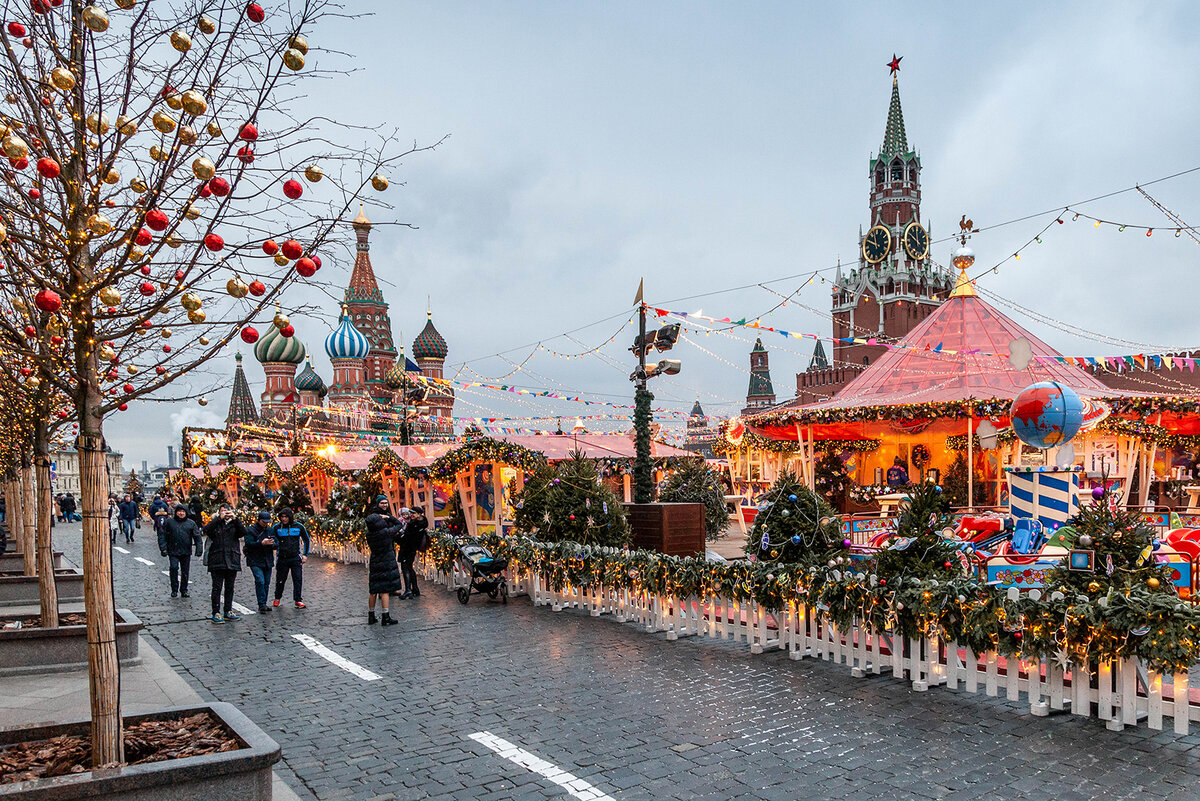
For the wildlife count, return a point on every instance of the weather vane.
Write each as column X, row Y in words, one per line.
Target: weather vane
column 965, row 229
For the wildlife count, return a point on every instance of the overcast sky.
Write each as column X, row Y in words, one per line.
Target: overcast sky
column 707, row 146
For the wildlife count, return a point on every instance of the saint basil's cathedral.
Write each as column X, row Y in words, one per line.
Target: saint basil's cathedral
column 370, row 381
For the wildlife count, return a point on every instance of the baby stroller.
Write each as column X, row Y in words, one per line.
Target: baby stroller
column 487, row 574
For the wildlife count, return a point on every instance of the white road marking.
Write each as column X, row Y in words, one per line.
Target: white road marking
column 119, row 548
column 241, row 610
column 574, row 785
column 335, row 658
column 143, row 561
column 166, row 572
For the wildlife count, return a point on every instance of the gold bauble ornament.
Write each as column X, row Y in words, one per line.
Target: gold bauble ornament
column 1093, row 586
column 138, row 185
column 54, row 325
column 190, row 301
column 136, row 254
column 379, row 182
column 164, row 122
column 206, row 25
column 14, row 146
column 125, row 4
column 191, row 212
column 131, row 370
column 281, row 259
column 159, row 154
column 187, row 134
column 110, row 296
column 173, row 101
column 33, row 382
column 126, row 125
column 203, row 168
column 236, row 287
column 1152, row 583
column 181, row 41
column 313, row 173
column 293, row 59
column 112, row 177
column 196, row 316
column 194, row 102
column 213, row 129
column 203, row 340
column 62, row 79
column 106, row 353
column 3, row 232
column 299, row 43
column 173, row 241
column 202, row 401
column 99, row 225
column 281, row 320
column 95, row 18
column 11, row 97
column 97, row 123
column 165, row 333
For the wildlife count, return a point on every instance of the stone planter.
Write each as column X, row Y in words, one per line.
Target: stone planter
column 243, row 775
column 14, row 563
column 23, row 590
column 37, row 650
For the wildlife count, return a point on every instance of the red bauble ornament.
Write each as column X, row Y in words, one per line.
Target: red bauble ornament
column 205, row 192
column 48, row 168
column 63, row 414
column 249, row 334
column 246, row 154
column 219, row 187
column 145, row 268
column 40, row 7
column 249, row 132
column 48, row 300
column 255, row 12
column 258, row 288
column 143, row 237
column 572, row 516
column 157, row 219
column 947, row 565
column 214, row 242
column 128, row 387
column 317, row 261
column 180, row 275
column 292, row 249
column 30, row 331
column 270, row 247
column 160, row 370
column 883, row 582
column 306, row 267
column 20, row 163
column 167, row 91
column 166, row 348
column 29, row 43
column 146, row 323
column 287, row 331
column 124, row 407
column 56, row 340
column 26, row 371
column 34, row 194
column 146, row 288
column 293, row 189
column 16, row 29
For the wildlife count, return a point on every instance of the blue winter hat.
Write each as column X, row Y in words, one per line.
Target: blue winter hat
column 379, row 498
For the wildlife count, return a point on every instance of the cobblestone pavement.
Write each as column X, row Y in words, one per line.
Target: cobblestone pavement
column 630, row 714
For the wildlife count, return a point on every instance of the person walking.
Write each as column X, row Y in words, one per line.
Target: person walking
column 177, row 537
column 223, row 555
column 415, row 531
column 291, row 545
column 69, row 507
column 114, row 519
column 129, row 513
column 384, row 532
column 159, row 512
column 196, row 511
column 260, row 554
column 59, row 500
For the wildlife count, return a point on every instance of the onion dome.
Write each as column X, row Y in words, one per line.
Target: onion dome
column 309, row 381
column 346, row 341
column 429, row 343
column 274, row 347
column 394, row 378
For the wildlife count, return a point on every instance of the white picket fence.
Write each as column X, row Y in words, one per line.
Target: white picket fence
column 1121, row 693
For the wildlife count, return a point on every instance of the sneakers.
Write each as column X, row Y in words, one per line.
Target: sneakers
column 174, row 594
column 275, row 602
column 232, row 617
column 262, row 609
column 184, row 595
column 300, row 604
column 218, row 619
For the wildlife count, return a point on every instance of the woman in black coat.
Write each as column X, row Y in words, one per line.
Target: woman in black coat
column 383, row 533
column 414, row 532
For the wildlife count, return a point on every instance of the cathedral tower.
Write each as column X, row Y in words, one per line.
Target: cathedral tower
column 369, row 313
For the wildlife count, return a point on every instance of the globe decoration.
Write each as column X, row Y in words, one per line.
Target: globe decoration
column 1046, row 414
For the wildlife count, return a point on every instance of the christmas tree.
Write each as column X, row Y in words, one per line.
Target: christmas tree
column 531, row 504
column 251, row 497
column 351, row 501
column 575, row 506
column 294, row 496
column 917, row 549
column 132, row 485
column 794, row 524
column 831, row 479
column 693, row 482
column 955, row 482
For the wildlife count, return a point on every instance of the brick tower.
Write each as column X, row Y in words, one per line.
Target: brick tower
column 761, row 393
column 369, row 313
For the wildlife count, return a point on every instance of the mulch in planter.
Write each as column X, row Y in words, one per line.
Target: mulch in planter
column 35, row 621
column 146, row 741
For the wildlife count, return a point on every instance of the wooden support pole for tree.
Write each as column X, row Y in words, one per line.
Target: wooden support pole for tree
column 47, row 588
column 28, row 506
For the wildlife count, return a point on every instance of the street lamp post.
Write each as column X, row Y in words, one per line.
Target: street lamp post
column 663, row 339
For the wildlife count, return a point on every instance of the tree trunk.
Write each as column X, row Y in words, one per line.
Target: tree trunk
column 47, row 589
column 103, row 669
column 28, row 536
column 12, row 505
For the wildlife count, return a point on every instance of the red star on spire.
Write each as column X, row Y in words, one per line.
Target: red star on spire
column 894, row 64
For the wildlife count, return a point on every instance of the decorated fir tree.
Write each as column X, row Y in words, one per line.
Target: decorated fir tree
column 794, row 524
column 955, row 482
column 251, row 497
column 294, row 496
column 351, row 501
column 132, row 484
column 575, row 506
column 531, row 504
column 831, row 479
column 1122, row 553
column 917, row 549
column 692, row 481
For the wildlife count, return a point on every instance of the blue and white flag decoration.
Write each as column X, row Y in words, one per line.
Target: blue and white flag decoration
column 1045, row 494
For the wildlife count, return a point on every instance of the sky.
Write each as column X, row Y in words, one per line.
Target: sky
column 705, row 146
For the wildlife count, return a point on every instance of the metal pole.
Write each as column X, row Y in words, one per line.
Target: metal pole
column 970, row 460
column 642, row 467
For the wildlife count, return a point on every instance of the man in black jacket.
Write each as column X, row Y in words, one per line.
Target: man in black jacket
column 292, row 543
column 177, row 538
column 414, row 534
column 260, row 553
column 225, row 533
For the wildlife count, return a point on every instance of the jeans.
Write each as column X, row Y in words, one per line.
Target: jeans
column 222, row 580
column 262, row 580
column 181, row 568
column 127, row 529
column 297, row 571
column 408, row 574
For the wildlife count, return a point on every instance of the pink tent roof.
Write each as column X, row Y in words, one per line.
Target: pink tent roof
column 557, row 447
column 423, row 455
column 960, row 352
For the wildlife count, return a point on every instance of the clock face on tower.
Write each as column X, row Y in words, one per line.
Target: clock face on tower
column 916, row 241
column 877, row 244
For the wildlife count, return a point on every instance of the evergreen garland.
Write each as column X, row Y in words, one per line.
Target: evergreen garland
column 643, row 465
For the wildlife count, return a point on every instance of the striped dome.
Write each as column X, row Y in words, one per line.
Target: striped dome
column 274, row 347
column 429, row 344
column 309, row 381
column 347, row 342
column 394, row 378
